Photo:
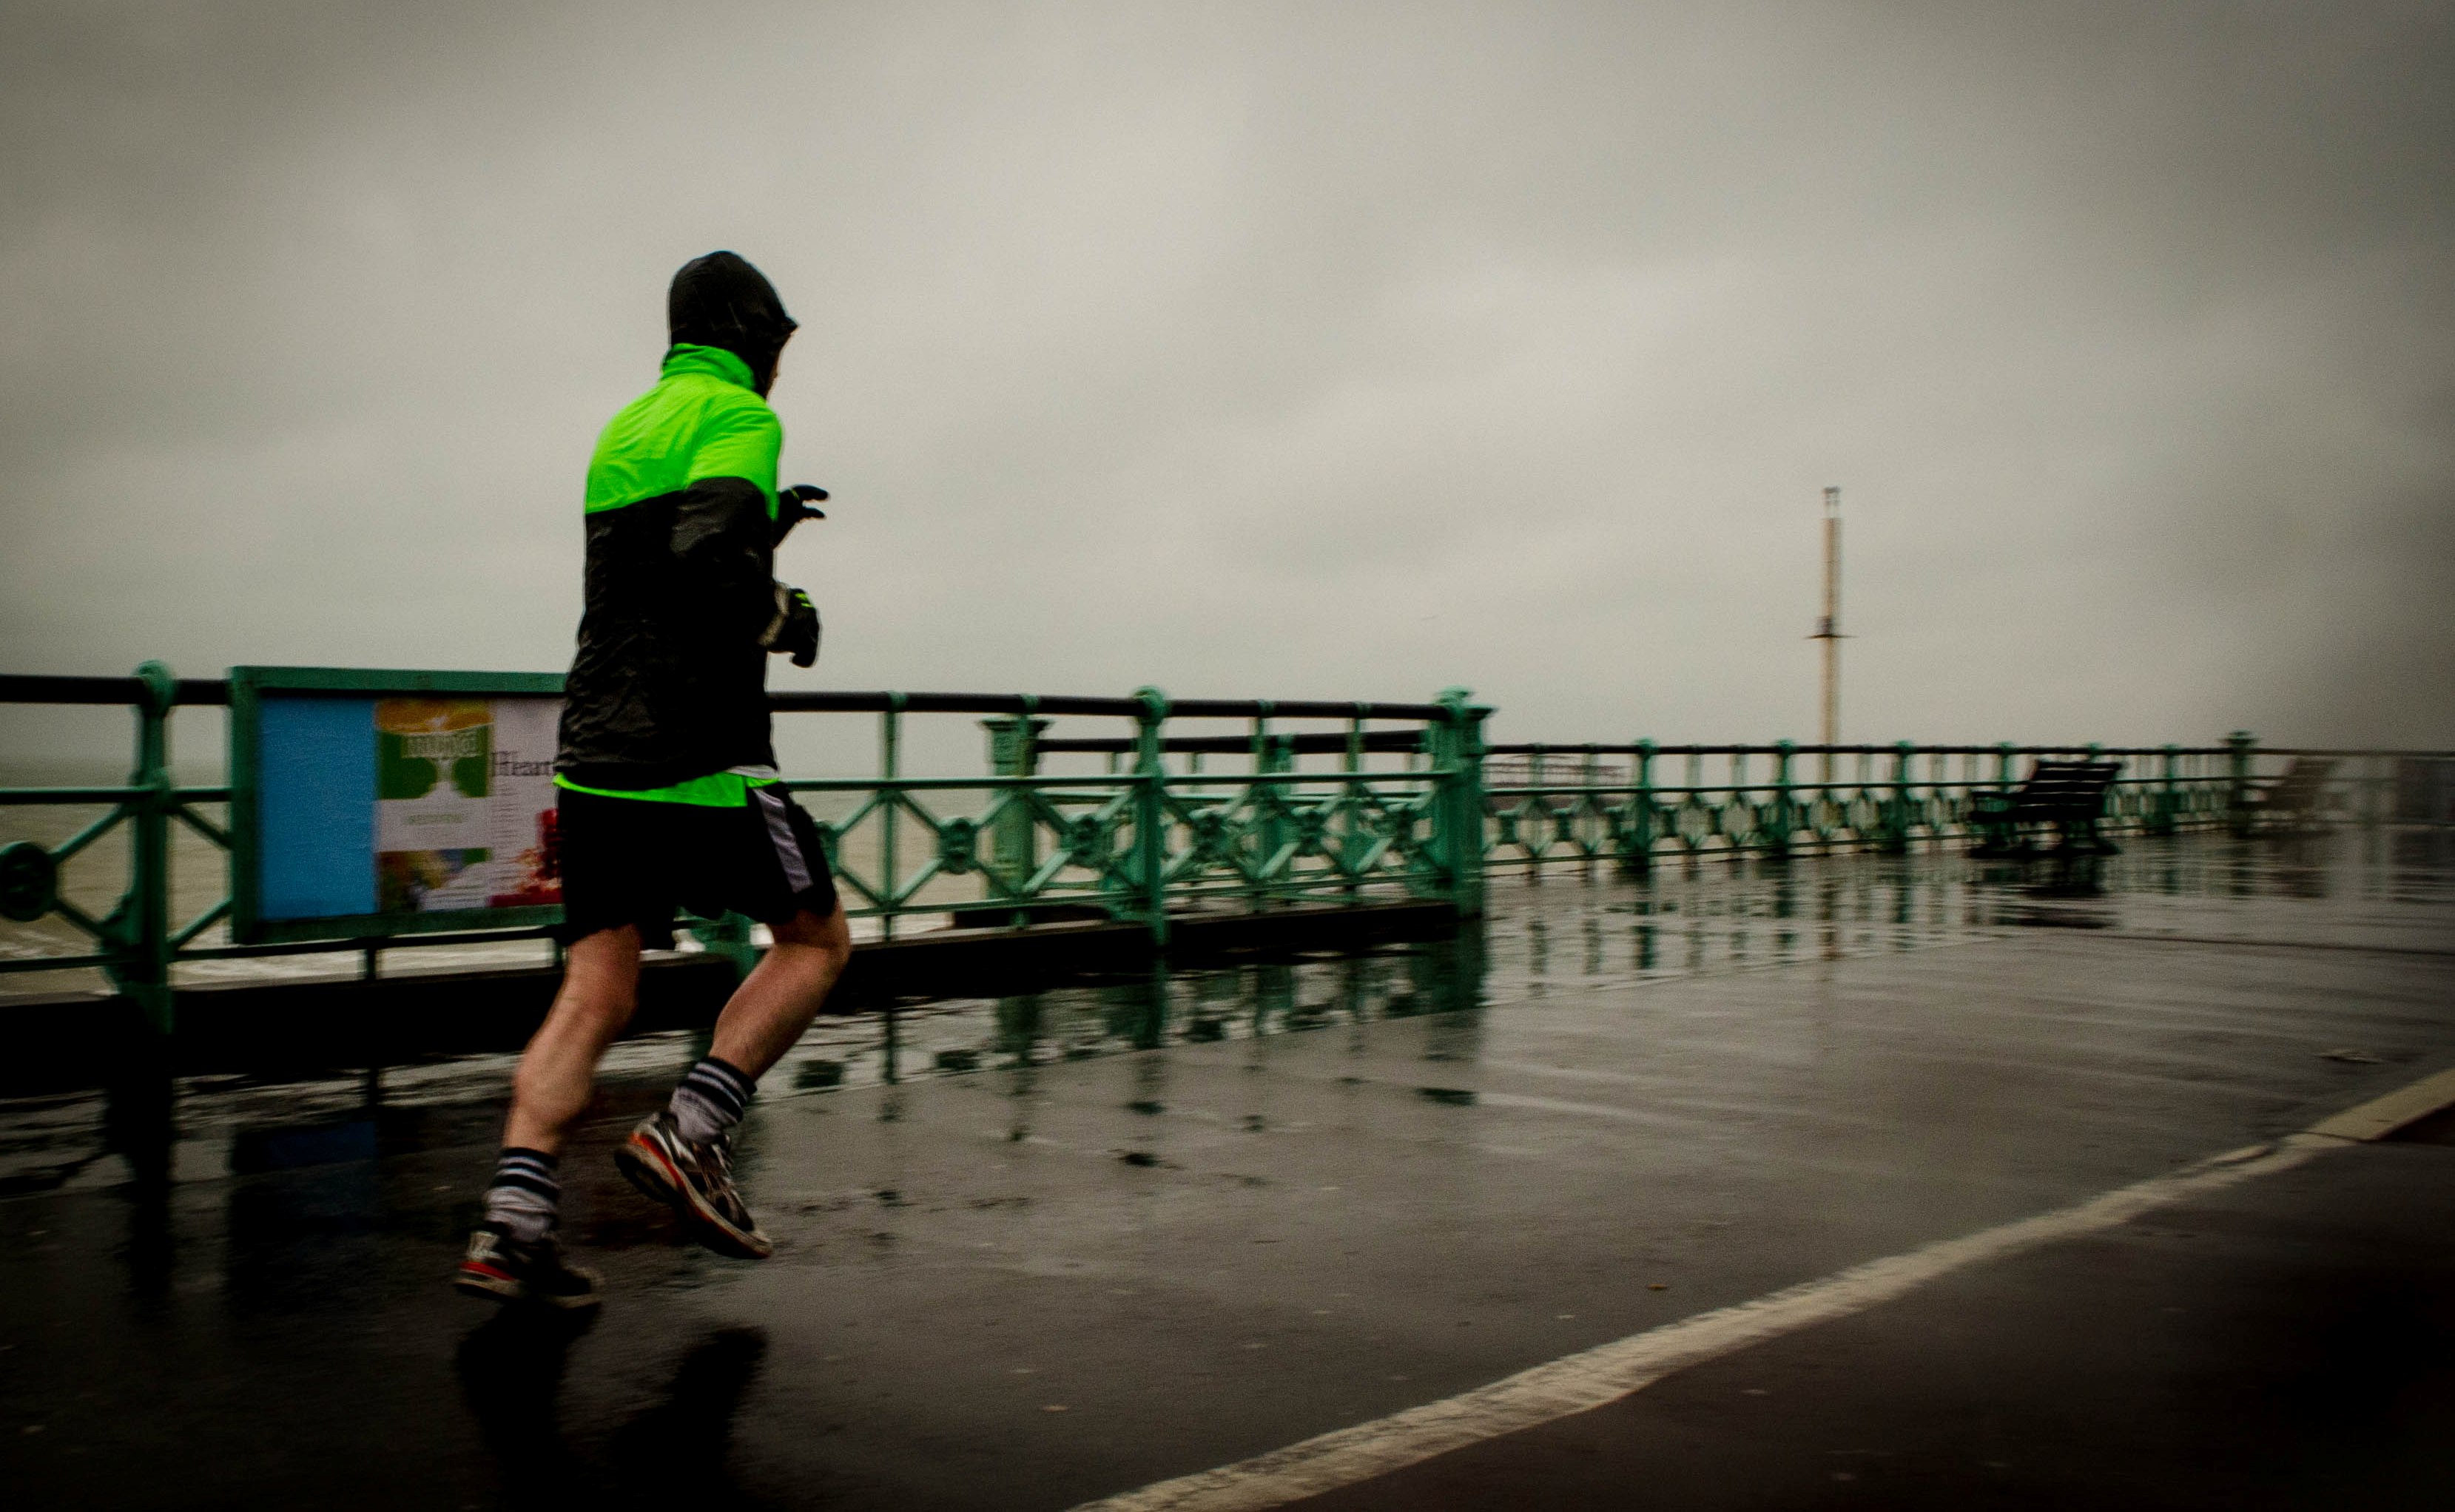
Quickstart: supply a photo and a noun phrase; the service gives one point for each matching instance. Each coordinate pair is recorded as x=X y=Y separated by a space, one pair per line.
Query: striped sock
x=709 y=1101
x=525 y=1194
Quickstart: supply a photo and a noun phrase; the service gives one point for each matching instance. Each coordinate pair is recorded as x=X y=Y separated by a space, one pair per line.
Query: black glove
x=795 y=627
x=793 y=507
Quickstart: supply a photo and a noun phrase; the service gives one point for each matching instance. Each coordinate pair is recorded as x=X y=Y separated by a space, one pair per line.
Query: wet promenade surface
x=1037 y=1251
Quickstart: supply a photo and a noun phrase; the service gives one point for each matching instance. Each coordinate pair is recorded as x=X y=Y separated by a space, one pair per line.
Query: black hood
x=719 y=300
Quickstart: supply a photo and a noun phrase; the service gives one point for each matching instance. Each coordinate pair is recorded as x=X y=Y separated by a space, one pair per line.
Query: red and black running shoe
x=695 y=1180
x=504 y=1269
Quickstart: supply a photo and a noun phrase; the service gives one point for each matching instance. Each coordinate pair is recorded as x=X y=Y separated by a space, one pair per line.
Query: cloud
x=1348 y=351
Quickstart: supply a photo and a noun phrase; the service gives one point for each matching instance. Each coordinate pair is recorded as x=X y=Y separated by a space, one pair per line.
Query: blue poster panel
x=370 y=803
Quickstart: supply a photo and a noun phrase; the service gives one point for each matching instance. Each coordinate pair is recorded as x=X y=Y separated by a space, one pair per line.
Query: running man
x=666 y=774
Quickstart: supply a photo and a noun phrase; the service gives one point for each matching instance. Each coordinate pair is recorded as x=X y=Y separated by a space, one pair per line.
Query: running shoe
x=509 y=1270
x=694 y=1178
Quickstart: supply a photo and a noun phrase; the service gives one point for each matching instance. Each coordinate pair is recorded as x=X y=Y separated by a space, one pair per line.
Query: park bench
x=2297 y=800
x=2068 y=795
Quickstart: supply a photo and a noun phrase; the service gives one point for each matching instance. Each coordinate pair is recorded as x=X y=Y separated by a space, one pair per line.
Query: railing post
x=890 y=800
x=1014 y=752
x=1939 y=798
x=1738 y=801
x=1897 y=814
x=1640 y=831
x=1150 y=813
x=1277 y=753
x=1257 y=797
x=1458 y=771
x=140 y=926
x=2169 y=800
x=2241 y=747
x=1784 y=820
x=1353 y=838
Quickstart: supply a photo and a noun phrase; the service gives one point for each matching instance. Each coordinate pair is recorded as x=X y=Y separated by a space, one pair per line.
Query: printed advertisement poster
x=464 y=803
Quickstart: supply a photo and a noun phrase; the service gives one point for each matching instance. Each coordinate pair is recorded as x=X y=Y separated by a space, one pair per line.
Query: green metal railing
x=1327 y=802
x=1632 y=803
x=1395 y=814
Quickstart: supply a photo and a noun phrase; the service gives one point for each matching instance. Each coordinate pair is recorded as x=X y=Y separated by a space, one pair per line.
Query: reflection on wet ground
x=1545 y=934
x=670 y=1454
x=1037 y=1269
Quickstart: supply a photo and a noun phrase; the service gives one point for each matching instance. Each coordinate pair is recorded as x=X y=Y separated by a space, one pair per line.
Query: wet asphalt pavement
x=1041 y=1265
x=2287 y=1343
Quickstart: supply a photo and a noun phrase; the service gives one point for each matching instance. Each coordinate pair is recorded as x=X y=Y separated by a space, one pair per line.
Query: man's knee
x=605 y=962
x=601 y=986
x=603 y=1006
x=809 y=931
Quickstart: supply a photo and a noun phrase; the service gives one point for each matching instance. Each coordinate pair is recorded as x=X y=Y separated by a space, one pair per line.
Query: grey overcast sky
x=1342 y=351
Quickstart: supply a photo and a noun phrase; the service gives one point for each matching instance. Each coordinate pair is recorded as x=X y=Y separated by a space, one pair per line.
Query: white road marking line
x=1604 y=1373
x=2380 y=1116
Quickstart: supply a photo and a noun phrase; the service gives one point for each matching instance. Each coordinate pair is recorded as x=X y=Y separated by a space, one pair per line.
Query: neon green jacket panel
x=701 y=420
x=717 y=789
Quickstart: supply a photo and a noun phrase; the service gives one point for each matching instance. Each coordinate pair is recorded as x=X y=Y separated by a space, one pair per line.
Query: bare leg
x=777 y=999
x=682 y=1156
x=601 y=986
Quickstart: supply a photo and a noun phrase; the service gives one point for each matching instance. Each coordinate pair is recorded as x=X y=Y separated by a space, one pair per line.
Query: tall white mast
x=1828 y=629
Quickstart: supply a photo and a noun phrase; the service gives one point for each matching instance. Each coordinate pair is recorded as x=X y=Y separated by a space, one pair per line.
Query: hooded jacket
x=668 y=683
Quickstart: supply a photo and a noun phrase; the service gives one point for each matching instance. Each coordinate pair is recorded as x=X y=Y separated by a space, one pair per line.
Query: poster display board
x=367 y=803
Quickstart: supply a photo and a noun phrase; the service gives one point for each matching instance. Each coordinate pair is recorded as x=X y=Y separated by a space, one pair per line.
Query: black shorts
x=632 y=860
